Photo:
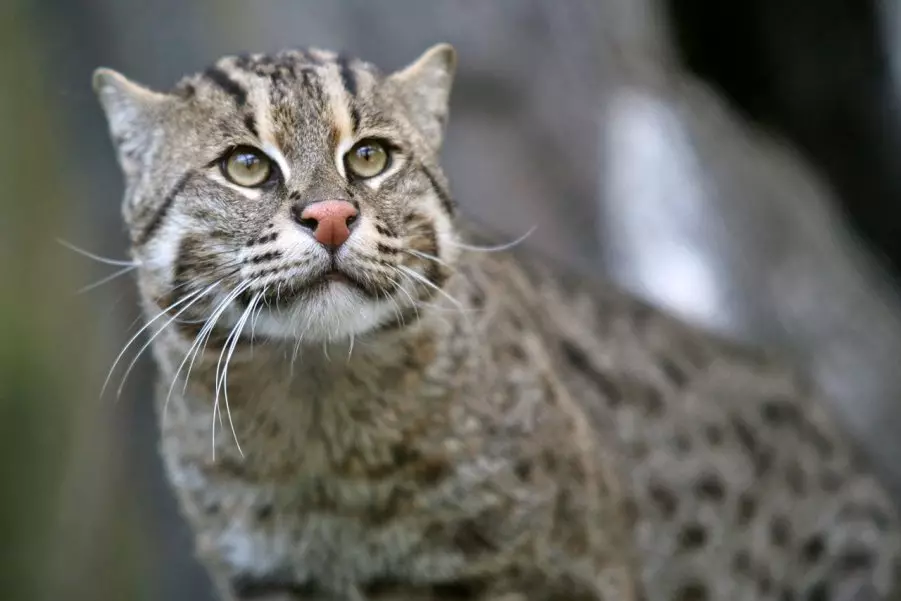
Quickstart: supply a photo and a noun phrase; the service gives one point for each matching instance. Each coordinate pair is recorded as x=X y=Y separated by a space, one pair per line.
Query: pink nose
x=330 y=221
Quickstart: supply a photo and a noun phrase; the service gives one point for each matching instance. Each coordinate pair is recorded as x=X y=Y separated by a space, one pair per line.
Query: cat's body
x=421 y=420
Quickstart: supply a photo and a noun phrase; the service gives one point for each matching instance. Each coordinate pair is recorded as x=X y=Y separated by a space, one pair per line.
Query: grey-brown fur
x=457 y=424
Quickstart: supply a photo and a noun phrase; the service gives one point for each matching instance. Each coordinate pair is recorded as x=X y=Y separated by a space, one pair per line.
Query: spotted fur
x=438 y=422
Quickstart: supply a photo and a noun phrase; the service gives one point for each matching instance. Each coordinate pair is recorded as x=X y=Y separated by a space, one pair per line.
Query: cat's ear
x=132 y=111
x=425 y=87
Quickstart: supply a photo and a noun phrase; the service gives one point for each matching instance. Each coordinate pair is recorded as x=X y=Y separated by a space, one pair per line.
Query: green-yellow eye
x=247 y=167
x=367 y=158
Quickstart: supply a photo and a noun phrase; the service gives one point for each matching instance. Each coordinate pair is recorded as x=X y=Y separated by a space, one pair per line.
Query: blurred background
x=733 y=162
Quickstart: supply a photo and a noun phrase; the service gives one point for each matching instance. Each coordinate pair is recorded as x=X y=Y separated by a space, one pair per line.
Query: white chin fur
x=331 y=314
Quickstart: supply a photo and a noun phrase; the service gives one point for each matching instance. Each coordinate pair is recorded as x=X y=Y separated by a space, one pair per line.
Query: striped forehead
x=281 y=93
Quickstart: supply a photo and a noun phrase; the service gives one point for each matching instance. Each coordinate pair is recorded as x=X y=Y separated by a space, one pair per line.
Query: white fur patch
x=251 y=550
x=342 y=149
x=333 y=314
x=273 y=152
x=397 y=161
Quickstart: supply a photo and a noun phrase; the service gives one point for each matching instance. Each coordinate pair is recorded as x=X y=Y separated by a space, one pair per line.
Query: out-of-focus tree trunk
x=65 y=535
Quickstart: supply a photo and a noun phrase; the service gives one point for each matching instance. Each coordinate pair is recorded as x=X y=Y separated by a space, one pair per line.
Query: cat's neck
x=378 y=387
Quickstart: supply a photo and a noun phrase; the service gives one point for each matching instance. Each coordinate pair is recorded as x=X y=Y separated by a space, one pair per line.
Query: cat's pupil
x=367 y=153
x=248 y=162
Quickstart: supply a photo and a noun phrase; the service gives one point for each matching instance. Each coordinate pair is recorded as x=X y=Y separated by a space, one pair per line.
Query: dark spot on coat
x=710 y=487
x=665 y=500
x=780 y=531
x=747 y=509
x=813 y=549
x=469 y=537
x=693 y=536
x=692 y=591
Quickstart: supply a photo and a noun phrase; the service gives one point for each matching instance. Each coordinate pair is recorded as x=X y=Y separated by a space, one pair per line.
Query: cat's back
x=739 y=483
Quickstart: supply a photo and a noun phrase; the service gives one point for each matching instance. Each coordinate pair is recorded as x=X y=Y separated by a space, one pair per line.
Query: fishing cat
x=358 y=401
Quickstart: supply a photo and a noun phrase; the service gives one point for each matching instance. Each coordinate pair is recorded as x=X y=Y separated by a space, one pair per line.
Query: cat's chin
x=330 y=309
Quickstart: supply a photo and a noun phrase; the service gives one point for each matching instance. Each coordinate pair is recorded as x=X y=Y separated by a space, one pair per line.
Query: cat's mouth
x=286 y=294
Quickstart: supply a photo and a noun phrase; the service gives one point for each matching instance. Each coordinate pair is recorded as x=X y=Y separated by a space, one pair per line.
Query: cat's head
x=301 y=188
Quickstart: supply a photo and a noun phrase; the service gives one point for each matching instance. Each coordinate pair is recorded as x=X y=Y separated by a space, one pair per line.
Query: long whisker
x=421 y=255
x=499 y=248
x=297 y=344
x=108 y=278
x=417 y=305
x=139 y=332
x=424 y=280
x=195 y=347
x=350 y=351
x=395 y=306
x=207 y=331
x=157 y=333
x=98 y=258
x=254 y=319
x=413 y=302
x=226 y=351
x=398 y=312
x=236 y=264
x=233 y=336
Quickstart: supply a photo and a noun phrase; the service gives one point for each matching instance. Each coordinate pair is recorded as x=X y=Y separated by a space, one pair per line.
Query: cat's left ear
x=425 y=88
x=133 y=114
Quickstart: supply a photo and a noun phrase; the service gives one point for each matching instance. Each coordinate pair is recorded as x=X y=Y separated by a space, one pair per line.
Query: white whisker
x=98 y=258
x=205 y=334
x=297 y=344
x=426 y=256
x=139 y=332
x=499 y=248
x=152 y=338
x=108 y=278
x=234 y=336
x=255 y=318
x=195 y=345
x=413 y=302
x=398 y=314
x=207 y=329
x=424 y=280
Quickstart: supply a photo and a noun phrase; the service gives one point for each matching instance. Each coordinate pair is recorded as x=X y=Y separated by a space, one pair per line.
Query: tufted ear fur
x=132 y=114
x=425 y=87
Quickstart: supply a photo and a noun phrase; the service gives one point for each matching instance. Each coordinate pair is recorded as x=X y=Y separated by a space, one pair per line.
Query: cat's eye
x=367 y=158
x=247 y=167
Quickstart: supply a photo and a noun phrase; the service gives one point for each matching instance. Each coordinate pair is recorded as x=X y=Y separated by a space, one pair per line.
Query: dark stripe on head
x=443 y=195
x=349 y=81
x=157 y=220
x=251 y=124
x=228 y=85
x=348 y=77
x=311 y=83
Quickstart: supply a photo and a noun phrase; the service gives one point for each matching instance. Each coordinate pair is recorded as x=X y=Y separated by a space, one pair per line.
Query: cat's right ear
x=132 y=111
